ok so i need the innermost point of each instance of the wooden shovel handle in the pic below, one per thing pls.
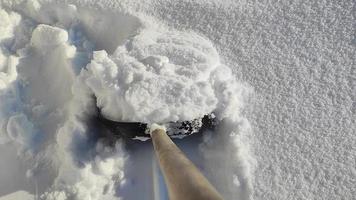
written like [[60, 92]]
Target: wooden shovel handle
[[183, 179]]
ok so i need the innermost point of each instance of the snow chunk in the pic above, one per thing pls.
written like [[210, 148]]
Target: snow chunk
[[8, 63], [8, 23], [156, 126], [45, 37], [8, 76], [155, 77]]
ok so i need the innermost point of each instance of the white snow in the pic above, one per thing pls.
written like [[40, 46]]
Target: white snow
[[159, 61], [20, 130], [144, 72], [299, 57], [8, 62], [155, 126], [18, 195], [155, 77]]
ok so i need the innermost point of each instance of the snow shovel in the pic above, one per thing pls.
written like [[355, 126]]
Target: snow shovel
[[140, 130]]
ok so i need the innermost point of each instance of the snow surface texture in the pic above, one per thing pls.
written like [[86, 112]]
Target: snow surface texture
[[56, 57], [300, 58]]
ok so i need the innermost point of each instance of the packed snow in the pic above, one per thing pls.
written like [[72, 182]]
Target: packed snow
[[280, 77]]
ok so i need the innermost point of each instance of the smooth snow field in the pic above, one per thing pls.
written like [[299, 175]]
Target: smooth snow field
[[280, 76]]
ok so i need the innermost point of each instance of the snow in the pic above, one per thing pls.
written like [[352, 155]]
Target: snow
[[8, 63], [155, 77], [299, 57], [156, 126], [145, 72], [20, 130], [18, 195], [299, 118]]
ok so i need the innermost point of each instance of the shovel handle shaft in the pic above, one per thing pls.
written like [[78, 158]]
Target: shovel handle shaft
[[183, 179]]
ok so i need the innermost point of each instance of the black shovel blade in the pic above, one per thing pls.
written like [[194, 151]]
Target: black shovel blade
[[139, 130]]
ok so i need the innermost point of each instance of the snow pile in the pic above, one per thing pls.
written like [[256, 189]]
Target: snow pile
[[139, 72], [155, 77]]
